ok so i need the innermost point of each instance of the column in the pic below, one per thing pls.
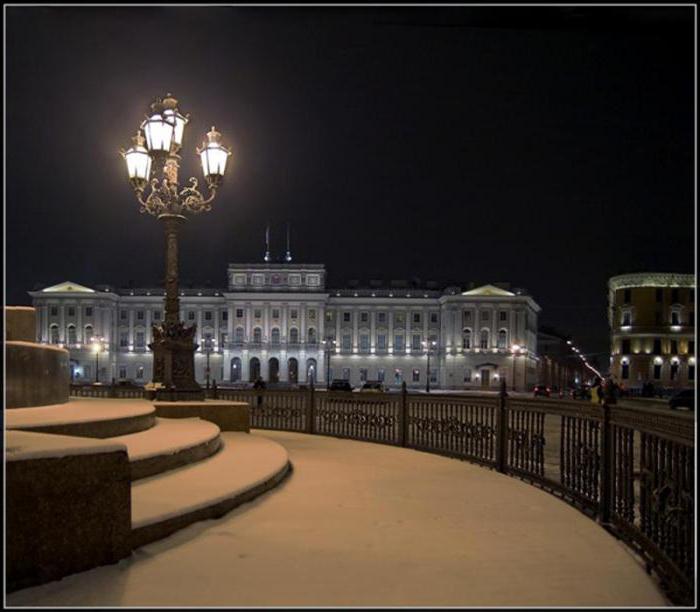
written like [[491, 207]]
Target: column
[[372, 329], [248, 322], [409, 314], [390, 339], [149, 325], [302, 323], [131, 327], [62, 324], [355, 333], [79, 323], [494, 327], [284, 332], [198, 338]]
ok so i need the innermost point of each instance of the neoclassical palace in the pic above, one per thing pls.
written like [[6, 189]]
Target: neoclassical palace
[[278, 321]]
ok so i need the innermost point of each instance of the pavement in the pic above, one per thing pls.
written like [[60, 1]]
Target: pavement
[[361, 524]]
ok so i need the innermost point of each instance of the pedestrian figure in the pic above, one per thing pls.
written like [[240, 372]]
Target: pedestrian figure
[[259, 386], [611, 391]]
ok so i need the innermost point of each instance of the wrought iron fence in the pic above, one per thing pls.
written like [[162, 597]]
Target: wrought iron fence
[[631, 469]]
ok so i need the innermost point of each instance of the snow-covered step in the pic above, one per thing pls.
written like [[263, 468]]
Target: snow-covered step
[[169, 444], [245, 466], [85, 417]]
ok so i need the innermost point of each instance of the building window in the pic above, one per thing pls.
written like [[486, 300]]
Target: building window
[[503, 315], [223, 339], [364, 317], [484, 315], [502, 338], [627, 318], [416, 317], [257, 335], [139, 372], [657, 346], [190, 315], [381, 317], [675, 318], [72, 338], [433, 375], [257, 313], [275, 313], [122, 372], [363, 374], [415, 342], [381, 342], [239, 335], [484, 339], [628, 296], [239, 313], [398, 342], [416, 375], [467, 338], [380, 375], [398, 376], [347, 342], [674, 296], [140, 339], [467, 316], [674, 347], [294, 336], [275, 335], [626, 347], [398, 318], [346, 317], [88, 311], [329, 316], [123, 339], [433, 317], [207, 315], [312, 315], [54, 311], [313, 280], [625, 370], [691, 347], [224, 315], [659, 295], [657, 371], [156, 315], [674, 370], [364, 343], [467, 375], [71, 311], [139, 315], [294, 314], [346, 373], [122, 315], [311, 335]]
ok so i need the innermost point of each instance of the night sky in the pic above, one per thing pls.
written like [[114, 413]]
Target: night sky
[[547, 147]]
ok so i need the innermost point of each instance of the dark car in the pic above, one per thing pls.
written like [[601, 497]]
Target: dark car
[[683, 399], [372, 386], [340, 385], [541, 390], [583, 392]]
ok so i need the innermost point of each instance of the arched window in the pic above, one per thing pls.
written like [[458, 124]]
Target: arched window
[[273, 370], [72, 338], [293, 370], [254, 369], [235, 369], [293, 336], [466, 338], [53, 334], [502, 338], [275, 335], [239, 335], [312, 335], [484, 340], [311, 371], [257, 335], [88, 334]]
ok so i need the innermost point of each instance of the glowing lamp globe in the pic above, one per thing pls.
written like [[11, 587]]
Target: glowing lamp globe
[[214, 156], [173, 116], [138, 162], [158, 129]]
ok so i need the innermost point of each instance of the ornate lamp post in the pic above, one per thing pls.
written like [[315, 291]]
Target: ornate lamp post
[[429, 346], [514, 349], [207, 352], [329, 345], [173, 344], [97, 346]]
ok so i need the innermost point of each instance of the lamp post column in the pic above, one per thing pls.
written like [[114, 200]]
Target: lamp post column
[[427, 374], [97, 365]]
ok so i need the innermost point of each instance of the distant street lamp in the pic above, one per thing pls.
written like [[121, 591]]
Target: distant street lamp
[[429, 346], [515, 349], [207, 352], [328, 346], [97, 346], [173, 344]]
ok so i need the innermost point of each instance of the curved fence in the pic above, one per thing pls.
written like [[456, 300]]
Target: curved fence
[[631, 469]]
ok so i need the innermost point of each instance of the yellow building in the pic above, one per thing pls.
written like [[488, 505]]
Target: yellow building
[[652, 329]]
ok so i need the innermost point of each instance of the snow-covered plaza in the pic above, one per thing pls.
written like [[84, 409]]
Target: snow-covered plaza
[[361, 524]]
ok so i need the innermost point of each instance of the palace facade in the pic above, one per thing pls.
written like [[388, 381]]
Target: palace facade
[[652, 323], [280, 322]]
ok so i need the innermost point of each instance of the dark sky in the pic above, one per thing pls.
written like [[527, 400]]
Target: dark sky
[[548, 147]]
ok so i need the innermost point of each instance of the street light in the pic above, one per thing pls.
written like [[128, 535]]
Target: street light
[[328, 345], [207, 352], [429, 346], [97, 346], [514, 349], [173, 344]]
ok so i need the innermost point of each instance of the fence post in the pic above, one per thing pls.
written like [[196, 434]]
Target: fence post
[[112, 389], [403, 415], [501, 428], [214, 390], [606, 467], [311, 410]]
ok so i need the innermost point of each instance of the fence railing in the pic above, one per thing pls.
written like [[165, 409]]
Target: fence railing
[[632, 469]]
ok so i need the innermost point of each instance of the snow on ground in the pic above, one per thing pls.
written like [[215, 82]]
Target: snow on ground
[[168, 437], [359, 524], [76, 410], [21, 445]]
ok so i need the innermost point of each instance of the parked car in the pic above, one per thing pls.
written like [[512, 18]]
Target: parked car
[[583, 392], [542, 390], [683, 399], [340, 385], [372, 386]]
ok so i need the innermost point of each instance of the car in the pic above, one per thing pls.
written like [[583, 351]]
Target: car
[[541, 390], [340, 385], [583, 392], [372, 386], [683, 399]]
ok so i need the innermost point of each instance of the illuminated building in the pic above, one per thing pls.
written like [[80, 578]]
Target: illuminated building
[[277, 320], [652, 323]]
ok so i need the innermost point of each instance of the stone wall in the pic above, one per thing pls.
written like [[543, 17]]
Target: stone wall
[[20, 323], [35, 375]]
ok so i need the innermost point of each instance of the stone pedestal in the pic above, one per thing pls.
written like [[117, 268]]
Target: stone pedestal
[[229, 416]]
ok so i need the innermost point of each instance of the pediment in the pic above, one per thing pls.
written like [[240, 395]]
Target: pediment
[[68, 286]]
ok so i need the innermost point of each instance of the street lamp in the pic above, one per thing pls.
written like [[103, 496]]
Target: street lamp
[[96, 348], [207, 352], [429, 346], [173, 344], [328, 345], [514, 349]]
